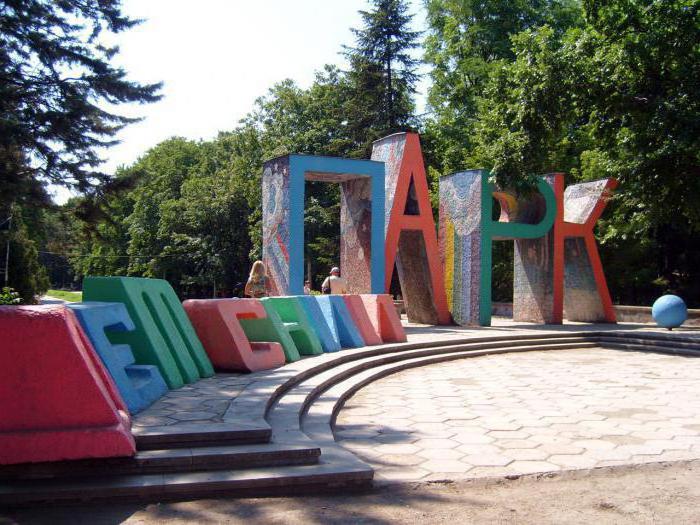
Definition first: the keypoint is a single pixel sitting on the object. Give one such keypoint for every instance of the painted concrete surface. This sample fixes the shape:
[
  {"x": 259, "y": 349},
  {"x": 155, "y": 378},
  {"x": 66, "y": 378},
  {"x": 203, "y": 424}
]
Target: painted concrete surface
[{"x": 515, "y": 414}]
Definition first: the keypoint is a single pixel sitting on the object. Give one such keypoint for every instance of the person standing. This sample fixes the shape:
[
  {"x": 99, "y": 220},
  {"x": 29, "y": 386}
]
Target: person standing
[
  {"x": 258, "y": 284},
  {"x": 334, "y": 283},
  {"x": 307, "y": 287}
]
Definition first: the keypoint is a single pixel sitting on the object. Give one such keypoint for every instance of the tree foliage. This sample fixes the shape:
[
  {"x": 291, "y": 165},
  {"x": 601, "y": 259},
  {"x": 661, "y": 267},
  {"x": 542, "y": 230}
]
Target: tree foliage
[
  {"x": 382, "y": 73},
  {"x": 57, "y": 81},
  {"x": 26, "y": 276},
  {"x": 467, "y": 42},
  {"x": 616, "y": 96}
]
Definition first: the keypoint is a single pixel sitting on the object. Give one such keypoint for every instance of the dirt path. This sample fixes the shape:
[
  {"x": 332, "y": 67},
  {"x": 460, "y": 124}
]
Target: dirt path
[{"x": 652, "y": 493}]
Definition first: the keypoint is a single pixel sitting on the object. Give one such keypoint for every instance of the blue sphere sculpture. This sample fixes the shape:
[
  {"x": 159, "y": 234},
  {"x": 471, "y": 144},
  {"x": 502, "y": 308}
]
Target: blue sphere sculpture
[{"x": 669, "y": 311}]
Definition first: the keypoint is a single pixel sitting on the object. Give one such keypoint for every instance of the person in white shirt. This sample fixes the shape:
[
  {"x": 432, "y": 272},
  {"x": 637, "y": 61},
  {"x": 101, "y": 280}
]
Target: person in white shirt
[{"x": 334, "y": 283}]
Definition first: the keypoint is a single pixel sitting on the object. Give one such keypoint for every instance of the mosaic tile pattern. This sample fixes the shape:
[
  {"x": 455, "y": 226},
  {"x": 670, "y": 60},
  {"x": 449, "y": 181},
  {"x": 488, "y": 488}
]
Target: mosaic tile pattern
[
  {"x": 460, "y": 243},
  {"x": 275, "y": 204},
  {"x": 356, "y": 234}
]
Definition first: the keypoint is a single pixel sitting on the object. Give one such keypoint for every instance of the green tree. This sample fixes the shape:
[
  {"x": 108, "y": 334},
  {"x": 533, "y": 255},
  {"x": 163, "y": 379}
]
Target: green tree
[
  {"x": 56, "y": 78},
  {"x": 382, "y": 73},
  {"x": 616, "y": 98},
  {"x": 466, "y": 43},
  {"x": 26, "y": 276}
]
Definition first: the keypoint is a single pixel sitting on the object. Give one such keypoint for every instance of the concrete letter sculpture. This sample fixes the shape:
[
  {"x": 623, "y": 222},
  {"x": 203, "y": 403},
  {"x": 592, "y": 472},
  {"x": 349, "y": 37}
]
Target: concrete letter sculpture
[
  {"x": 362, "y": 220},
  {"x": 217, "y": 324},
  {"x": 164, "y": 336},
  {"x": 556, "y": 261},
  {"x": 324, "y": 332},
  {"x": 580, "y": 289},
  {"x": 384, "y": 317},
  {"x": 357, "y": 310},
  {"x": 467, "y": 232},
  {"x": 340, "y": 321},
  {"x": 57, "y": 400},
  {"x": 411, "y": 241},
  {"x": 296, "y": 322},
  {"x": 139, "y": 385},
  {"x": 271, "y": 328}
]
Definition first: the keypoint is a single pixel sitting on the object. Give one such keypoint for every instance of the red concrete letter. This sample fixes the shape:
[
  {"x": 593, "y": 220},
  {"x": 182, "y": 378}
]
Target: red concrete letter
[
  {"x": 57, "y": 400},
  {"x": 364, "y": 324},
  {"x": 223, "y": 338},
  {"x": 384, "y": 317}
]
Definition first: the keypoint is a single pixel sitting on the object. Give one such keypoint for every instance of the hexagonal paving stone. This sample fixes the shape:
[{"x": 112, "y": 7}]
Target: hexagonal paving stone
[
  {"x": 397, "y": 448},
  {"x": 401, "y": 459},
  {"x": 530, "y": 454},
  {"x": 472, "y": 438},
  {"x": 487, "y": 460},
  {"x": 524, "y": 412},
  {"x": 440, "y": 453},
  {"x": 445, "y": 465},
  {"x": 436, "y": 443},
  {"x": 515, "y": 443}
]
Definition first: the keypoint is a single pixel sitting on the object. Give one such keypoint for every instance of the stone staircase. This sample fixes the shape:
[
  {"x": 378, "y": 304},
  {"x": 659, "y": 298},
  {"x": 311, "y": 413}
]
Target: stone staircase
[{"x": 277, "y": 435}]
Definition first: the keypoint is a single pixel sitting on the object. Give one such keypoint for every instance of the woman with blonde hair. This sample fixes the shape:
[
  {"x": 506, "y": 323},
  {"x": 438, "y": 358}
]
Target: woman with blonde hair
[{"x": 257, "y": 285}]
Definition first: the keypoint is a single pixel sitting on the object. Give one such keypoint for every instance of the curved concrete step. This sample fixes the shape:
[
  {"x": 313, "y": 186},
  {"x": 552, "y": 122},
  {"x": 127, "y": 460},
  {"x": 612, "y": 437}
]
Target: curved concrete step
[
  {"x": 202, "y": 435},
  {"x": 286, "y": 414},
  {"x": 318, "y": 418},
  {"x": 256, "y": 400},
  {"x": 172, "y": 460},
  {"x": 641, "y": 345},
  {"x": 160, "y": 487}
]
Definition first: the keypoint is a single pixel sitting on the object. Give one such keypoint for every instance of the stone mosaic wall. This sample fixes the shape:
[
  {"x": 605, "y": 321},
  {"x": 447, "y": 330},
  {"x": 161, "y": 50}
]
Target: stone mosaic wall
[
  {"x": 460, "y": 243},
  {"x": 533, "y": 266},
  {"x": 585, "y": 298},
  {"x": 275, "y": 204},
  {"x": 390, "y": 151},
  {"x": 356, "y": 234},
  {"x": 410, "y": 236}
]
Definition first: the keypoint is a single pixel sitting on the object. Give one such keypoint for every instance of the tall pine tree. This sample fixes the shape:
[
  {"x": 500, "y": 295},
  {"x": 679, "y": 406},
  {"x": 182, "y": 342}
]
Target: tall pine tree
[
  {"x": 383, "y": 73},
  {"x": 56, "y": 80}
]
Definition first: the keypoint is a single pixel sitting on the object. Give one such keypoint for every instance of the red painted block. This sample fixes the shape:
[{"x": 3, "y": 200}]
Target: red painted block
[
  {"x": 223, "y": 338},
  {"x": 57, "y": 401},
  {"x": 357, "y": 310},
  {"x": 384, "y": 317}
]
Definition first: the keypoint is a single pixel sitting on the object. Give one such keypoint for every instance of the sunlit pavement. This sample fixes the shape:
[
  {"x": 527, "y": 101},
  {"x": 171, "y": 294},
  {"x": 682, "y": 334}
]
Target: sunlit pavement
[{"x": 523, "y": 413}]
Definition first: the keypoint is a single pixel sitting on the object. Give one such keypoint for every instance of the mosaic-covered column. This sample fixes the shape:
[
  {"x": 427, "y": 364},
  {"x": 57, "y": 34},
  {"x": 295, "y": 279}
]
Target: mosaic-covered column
[
  {"x": 356, "y": 234},
  {"x": 276, "y": 204},
  {"x": 362, "y": 220},
  {"x": 460, "y": 243},
  {"x": 467, "y": 233},
  {"x": 581, "y": 290},
  {"x": 533, "y": 260},
  {"x": 411, "y": 239}
]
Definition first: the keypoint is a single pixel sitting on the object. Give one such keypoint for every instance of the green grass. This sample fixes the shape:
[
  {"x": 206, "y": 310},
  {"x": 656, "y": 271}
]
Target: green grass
[{"x": 71, "y": 297}]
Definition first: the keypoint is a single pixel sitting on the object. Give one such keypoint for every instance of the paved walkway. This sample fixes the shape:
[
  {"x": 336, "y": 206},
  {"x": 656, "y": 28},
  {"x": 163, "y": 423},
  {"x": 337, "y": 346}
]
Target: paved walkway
[
  {"x": 528, "y": 412},
  {"x": 208, "y": 400},
  {"x": 489, "y": 416}
]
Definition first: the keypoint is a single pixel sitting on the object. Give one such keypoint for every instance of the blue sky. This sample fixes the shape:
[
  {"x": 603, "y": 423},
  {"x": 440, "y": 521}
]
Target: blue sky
[{"x": 217, "y": 56}]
